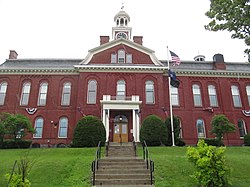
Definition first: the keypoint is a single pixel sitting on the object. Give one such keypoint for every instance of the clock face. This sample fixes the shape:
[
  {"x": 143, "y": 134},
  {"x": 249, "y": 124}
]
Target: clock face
[{"x": 121, "y": 35}]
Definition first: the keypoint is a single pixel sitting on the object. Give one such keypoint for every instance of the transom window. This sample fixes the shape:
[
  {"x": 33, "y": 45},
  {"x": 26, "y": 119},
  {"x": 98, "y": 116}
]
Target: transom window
[
  {"x": 200, "y": 128},
  {"x": 150, "y": 95},
  {"x": 212, "y": 95},
  {"x": 3, "y": 89},
  {"x": 25, "y": 94},
  {"x": 66, "y": 92},
  {"x": 197, "y": 95},
  {"x": 92, "y": 87},
  {"x": 63, "y": 127},
  {"x": 42, "y": 94},
  {"x": 174, "y": 96},
  {"x": 242, "y": 128},
  {"x": 120, "y": 90},
  {"x": 236, "y": 96},
  {"x": 38, "y": 128}
]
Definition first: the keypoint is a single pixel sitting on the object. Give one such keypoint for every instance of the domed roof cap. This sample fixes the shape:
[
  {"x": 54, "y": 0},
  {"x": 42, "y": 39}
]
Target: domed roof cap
[{"x": 122, "y": 13}]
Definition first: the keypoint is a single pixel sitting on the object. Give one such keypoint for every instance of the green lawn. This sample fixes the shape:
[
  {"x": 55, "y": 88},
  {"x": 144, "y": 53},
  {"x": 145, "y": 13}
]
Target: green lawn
[{"x": 71, "y": 167}]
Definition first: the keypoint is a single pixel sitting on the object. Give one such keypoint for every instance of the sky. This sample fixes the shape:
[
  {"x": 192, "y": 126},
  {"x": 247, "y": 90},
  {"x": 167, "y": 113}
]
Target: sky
[{"x": 69, "y": 28}]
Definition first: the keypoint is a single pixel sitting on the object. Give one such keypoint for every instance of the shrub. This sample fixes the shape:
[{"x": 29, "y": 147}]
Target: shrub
[
  {"x": 176, "y": 125},
  {"x": 213, "y": 142},
  {"x": 153, "y": 131},
  {"x": 247, "y": 139},
  {"x": 88, "y": 132},
  {"x": 12, "y": 144},
  {"x": 210, "y": 165}
]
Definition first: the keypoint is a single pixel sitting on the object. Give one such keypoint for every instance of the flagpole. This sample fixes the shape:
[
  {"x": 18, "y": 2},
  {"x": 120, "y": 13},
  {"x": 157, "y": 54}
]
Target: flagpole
[{"x": 170, "y": 103}]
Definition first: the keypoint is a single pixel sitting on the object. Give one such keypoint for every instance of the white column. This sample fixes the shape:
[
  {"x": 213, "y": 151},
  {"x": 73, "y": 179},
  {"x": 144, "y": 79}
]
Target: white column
[
  {"x": 105, "y": 120},
  {"x": 137, "y": 127},
  {"x": 134, "y": 126}
]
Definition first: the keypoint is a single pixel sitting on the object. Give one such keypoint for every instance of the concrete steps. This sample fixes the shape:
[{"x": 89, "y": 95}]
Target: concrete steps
[{"x": 122, "y": 168}]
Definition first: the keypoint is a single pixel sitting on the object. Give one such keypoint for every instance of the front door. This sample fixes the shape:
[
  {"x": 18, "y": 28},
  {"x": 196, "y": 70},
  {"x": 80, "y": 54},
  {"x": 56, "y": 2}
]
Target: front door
[{"x": 120, "y": 132}]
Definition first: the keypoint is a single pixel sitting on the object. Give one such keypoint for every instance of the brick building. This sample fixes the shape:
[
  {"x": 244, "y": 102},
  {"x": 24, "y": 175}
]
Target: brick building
[{"x": 121, "y": 81}]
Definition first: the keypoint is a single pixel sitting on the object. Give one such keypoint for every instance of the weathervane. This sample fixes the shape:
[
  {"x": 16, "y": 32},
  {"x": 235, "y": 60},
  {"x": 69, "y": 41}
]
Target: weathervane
[{"x": 122, "y": 5}]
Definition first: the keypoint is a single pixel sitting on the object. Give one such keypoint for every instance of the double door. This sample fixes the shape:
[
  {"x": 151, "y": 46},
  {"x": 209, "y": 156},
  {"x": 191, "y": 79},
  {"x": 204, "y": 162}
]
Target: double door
[{"x": 120, "y": 132}]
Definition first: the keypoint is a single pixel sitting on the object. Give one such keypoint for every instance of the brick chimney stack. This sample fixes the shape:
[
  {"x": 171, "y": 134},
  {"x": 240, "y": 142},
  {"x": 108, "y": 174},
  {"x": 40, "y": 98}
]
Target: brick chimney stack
[
  {"x": 13, "y": 54},
  {"x": 138, "y": 39},
  {"x": 218, "y": 61},
  {"x": 104, "y": 39}
]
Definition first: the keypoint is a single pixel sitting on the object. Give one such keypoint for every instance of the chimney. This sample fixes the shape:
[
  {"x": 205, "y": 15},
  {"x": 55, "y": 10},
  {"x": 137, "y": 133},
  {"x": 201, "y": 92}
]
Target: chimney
[
  {"x": 104, "y": 39},
  {"x": 13, "y": 54},
  {"x": 218, "y": 61},
  {"x": 138, "y": 39}
]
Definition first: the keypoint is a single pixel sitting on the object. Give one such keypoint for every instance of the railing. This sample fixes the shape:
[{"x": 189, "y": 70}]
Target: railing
[
  {"x": 148, "y": 160},
  {"x": 134, "y": 145},
  {"x": 94, "y": 166},
  {"x": 107, "y": 148}
]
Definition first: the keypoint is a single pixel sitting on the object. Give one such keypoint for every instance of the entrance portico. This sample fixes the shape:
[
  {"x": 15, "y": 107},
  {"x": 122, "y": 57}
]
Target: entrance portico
[{"x": 118, "y": 114}]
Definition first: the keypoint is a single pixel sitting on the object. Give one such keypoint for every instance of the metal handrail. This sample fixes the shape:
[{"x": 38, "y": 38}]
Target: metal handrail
[
  {"x": 134, "y": 145},
  {"x": 94, "y": 165},
  {"x": 149, "y": 161}
]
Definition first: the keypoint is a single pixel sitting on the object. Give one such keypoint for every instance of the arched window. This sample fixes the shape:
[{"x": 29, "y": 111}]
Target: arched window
[
  {"x": 3, "y": 89},
  {"x": 25, "y": 94},
  {"x": 174, "y": 96},
  {"x": 42, "y": 94},
  {"x": 242, "y": 128},
  {"x": 150, "y": 95},
  {"x": 38, "y": 128},
  {"x": 120, "y": 90},
  {"x": 212, "y": 95},
  {"x": 197, "y": 95},
  {"x": 121, "y": 56},
  {"x": 63, "y": 127},
  {"x": 66, "y": 92},
  {"x": 248, "y": 94},
  {"x": 200, "y": 128},
  {"x": 236, "y": 96},
  {"x": 92, "y": 87}
]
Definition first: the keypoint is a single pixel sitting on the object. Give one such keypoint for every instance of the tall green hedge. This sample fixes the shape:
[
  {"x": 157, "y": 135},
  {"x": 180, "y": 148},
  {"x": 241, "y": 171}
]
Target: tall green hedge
[
  {"x": 153, "y": 131},
  {"x": 88, "y": 132}
]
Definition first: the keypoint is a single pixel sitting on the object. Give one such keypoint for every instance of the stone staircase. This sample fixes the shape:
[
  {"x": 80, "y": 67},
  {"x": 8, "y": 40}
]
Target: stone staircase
[{"x": 121, "y": 167}]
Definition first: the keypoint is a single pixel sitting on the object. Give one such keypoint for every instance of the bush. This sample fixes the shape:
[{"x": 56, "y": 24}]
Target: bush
[
  {"x": 12, "y": 144},
  {"x": 213, "y": 142},
  {"x": 210, "y": 165},
  {"x": 153, "y": 131},
  {"x": 247, "y": 139},
  {"x": 88, "y": 132}
]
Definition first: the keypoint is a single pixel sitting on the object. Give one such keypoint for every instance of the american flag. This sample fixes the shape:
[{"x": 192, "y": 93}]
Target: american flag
[{"x": 175, "y": 59}]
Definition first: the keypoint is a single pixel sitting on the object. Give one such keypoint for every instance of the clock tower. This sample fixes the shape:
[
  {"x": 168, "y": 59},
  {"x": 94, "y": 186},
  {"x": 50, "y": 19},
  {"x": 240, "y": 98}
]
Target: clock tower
[{"x": 121, "y": 30}]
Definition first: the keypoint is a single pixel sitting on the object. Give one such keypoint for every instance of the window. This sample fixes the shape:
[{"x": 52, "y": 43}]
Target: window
[
  {"x": 236, "y": 96},
  {"x": 200, "y": 128},
  {"x": 66, "y": 93},
  {"x": 120, "y": 90},
  {"x": 242, "y": 128},
  {"x": 129, "y": 58},
  {"x": 197, "y": 95},
  {"x": 150, "y": 96},
  {"x": 174, "y": 96},
  {"x": 38, "y": 128},
  {"x": 42, "y": 94},
  {"x": 92, "y": 92},
  {"x": 25, "y": 94},
  {"x": 113, "y": 58},
  {"x": 63, "y": 127},
  {"x": 121, "y": 56},
  {"x": 3, "y": 89},
  {"x": 212, "y": 95},
  {"x": 248, "y": 94}
]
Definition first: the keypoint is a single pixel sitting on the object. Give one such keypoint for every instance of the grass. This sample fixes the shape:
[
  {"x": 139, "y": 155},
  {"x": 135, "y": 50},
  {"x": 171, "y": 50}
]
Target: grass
[{"x": 71, "y": 167}]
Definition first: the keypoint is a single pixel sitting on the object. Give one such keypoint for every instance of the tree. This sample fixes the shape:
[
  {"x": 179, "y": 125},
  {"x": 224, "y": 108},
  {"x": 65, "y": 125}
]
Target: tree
[
  {"x": 231, "y": 15},
  {"x": 3, "y": 117},
  {"x": 221, "y": 126},
  {"x": 16, "y": 125},
  {"x": 88, "y": 132},
  {"x": 153, "y": 131}
]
